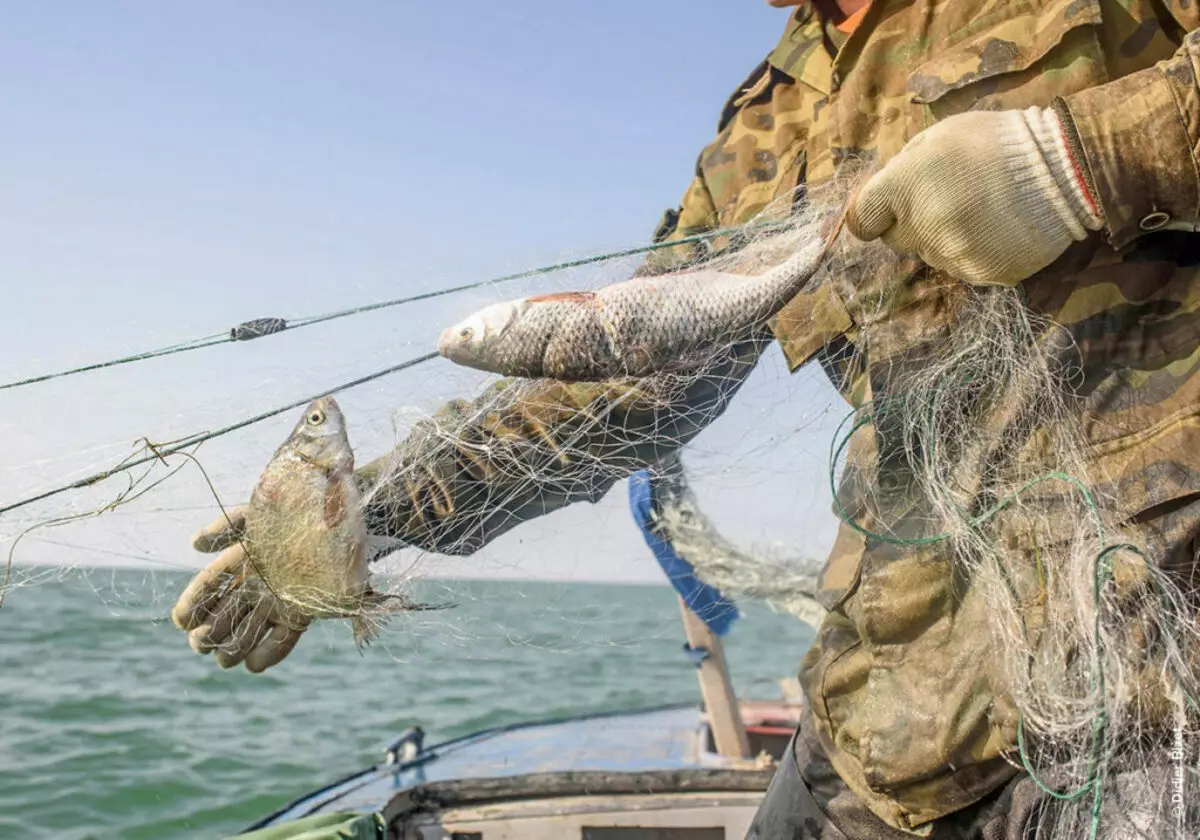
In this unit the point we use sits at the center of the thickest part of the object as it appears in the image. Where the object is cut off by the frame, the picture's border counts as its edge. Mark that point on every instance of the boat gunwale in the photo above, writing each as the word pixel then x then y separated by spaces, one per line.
pixel 435 751
pixel 458 793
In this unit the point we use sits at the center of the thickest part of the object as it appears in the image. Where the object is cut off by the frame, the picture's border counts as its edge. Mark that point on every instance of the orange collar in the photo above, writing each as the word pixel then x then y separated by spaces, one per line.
pixel 851 23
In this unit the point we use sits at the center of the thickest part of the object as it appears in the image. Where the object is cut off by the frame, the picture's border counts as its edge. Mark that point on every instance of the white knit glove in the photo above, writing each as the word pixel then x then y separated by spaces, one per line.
pixel 985 196
pixel 225 609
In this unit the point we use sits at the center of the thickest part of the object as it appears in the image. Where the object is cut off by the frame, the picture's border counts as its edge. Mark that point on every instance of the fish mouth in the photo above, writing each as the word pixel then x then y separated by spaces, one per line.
pixel 449 344
pixel 449 347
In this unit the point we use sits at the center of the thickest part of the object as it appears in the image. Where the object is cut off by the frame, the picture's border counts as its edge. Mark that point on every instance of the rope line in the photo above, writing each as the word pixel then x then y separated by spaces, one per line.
pixel 260 327
pixel 158 453
pixel 195 344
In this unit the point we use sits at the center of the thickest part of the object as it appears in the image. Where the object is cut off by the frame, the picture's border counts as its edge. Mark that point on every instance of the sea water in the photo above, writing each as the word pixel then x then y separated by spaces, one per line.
pixel 112 727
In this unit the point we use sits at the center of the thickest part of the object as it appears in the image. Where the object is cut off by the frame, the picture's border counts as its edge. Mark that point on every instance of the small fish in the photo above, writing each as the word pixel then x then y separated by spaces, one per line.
pixel 634 328
pixel 305 530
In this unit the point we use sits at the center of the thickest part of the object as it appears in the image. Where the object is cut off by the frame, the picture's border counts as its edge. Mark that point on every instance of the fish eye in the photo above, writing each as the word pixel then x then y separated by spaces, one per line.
pixel 316 417
pixel 466 334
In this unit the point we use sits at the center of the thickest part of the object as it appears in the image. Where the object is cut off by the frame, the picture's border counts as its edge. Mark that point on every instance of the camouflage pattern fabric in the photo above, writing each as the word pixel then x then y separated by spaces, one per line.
pixel 523 449
pixel 912 724
pixel 807 800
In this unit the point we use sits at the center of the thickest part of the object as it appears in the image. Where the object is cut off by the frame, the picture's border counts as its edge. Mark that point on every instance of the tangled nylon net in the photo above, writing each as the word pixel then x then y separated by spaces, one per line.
pixel 972 446
pixel 979 438
pixel 143 506
pixel 786 584
pixel 977 453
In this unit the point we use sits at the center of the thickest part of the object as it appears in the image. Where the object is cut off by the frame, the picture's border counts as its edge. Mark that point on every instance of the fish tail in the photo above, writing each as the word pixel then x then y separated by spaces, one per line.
pixel 376 608
pixel 366 627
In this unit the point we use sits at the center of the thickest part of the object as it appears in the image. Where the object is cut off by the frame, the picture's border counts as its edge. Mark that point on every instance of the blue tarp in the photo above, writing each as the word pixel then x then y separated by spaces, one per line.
pixel 713 608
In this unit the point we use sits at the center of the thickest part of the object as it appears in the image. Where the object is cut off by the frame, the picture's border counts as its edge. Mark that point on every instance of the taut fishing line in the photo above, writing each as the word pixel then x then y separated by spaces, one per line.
pixel 70 516
pixel 968 447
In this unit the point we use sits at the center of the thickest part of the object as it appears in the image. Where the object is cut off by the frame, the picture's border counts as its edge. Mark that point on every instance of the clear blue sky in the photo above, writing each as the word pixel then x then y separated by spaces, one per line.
pixel 169 170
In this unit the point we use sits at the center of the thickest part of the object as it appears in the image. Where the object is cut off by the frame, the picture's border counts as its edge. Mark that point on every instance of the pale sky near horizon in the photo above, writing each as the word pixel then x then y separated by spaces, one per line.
pixel 170 170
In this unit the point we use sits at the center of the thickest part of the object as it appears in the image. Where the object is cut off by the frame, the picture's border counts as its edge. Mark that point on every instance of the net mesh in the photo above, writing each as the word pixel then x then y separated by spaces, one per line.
pixel 978 434
pixel 971 447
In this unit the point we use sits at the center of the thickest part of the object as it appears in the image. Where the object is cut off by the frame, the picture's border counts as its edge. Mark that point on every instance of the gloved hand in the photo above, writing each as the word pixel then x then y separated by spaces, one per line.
pixel 227 609
pixel 985 196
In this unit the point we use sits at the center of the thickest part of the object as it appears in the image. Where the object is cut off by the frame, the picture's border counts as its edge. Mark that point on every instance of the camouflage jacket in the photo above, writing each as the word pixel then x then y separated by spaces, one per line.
pixel 910 721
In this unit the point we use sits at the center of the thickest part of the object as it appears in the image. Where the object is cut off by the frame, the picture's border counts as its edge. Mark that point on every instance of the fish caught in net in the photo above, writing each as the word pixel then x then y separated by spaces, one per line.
pixel 968 445
pixel 305 535
pixel 970 449
pixel 647 324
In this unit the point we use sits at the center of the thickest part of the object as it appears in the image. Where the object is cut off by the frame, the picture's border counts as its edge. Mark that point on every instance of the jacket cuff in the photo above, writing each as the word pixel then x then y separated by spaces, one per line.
pixel 1140 164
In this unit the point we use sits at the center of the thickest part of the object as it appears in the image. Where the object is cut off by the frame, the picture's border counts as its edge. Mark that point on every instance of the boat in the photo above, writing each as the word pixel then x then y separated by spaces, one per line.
pixel 649 774
pixel 683 772
pixel 690 772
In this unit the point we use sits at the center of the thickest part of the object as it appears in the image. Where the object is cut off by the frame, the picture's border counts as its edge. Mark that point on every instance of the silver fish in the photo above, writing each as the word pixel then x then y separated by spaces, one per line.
pixel 634 328
pixel 306 535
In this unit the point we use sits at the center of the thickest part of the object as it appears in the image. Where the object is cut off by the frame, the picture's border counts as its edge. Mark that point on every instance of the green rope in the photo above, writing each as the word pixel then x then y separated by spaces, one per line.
pixel 285 326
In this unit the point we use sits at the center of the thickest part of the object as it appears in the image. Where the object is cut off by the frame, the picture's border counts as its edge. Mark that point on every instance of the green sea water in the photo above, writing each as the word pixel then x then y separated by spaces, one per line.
pixel 113 728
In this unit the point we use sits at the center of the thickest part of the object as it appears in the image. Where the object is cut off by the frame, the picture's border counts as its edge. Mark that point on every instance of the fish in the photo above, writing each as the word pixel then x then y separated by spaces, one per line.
pixel 306 534
pixel 634 328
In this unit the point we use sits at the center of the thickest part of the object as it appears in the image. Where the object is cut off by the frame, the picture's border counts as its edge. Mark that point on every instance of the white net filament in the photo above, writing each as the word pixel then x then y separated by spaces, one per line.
pixel 1095 642
pixel 976 451
pixel 974 432
pixel 786 584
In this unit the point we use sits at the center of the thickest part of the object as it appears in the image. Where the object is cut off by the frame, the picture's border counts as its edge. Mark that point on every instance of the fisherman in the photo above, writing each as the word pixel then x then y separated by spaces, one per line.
pixel 1051 144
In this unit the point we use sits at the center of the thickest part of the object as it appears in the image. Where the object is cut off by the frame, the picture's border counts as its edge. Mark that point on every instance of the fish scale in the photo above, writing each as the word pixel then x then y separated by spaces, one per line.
pixel 631 329
pixel 306 534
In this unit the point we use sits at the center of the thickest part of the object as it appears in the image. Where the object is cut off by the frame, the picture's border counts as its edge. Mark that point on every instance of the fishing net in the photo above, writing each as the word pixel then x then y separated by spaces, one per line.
pixel 976 433
pixel 969 445
pixel 137 500
pixel 971 448
pixel 759 573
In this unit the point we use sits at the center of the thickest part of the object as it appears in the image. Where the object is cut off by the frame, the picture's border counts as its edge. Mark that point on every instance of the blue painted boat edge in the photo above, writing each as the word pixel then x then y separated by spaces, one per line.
pixel 343 786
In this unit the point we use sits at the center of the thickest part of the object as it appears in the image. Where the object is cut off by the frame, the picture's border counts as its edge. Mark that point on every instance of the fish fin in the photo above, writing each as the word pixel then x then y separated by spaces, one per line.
pixel 577 297
pixel 335 504
pixel 366 628
pixel 376 608
pixel 399 603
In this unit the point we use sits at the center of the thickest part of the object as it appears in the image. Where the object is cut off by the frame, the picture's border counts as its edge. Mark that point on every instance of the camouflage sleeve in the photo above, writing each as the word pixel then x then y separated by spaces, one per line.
pixel 528 447
pixel 1140 137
